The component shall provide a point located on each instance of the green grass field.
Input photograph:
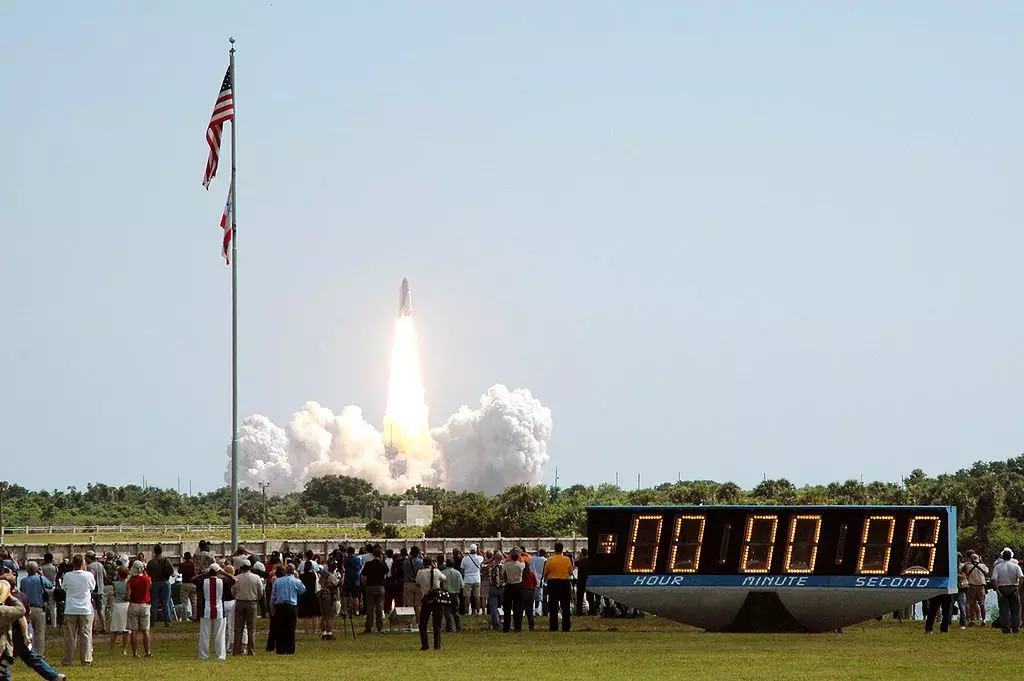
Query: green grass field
(605, 650)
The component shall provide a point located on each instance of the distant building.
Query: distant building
(410, 514)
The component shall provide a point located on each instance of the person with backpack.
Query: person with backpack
(160, 571)
(529, 590)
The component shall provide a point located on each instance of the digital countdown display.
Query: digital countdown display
(773, 549)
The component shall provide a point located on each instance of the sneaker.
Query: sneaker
(963, 626)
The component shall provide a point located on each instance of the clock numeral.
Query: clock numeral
(876, 545)
(922, 536)
(644, 539)
(759, 543)
(687, 537)
(802, 545)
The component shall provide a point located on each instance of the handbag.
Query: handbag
(437, 595)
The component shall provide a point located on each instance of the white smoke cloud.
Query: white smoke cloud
(504, 442)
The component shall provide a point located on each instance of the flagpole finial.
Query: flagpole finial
(232, 41)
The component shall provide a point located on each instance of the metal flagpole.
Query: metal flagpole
(234, 311)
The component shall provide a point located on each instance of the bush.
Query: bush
(391, 532)
(376, 527)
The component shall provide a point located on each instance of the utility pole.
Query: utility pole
(3, 490)
(264, 484)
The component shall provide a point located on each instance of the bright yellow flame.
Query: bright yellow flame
(405, 419)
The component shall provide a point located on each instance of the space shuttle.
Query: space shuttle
(404, 299)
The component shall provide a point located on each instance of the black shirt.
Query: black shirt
(374, 573)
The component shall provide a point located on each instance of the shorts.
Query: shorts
(326, 603)
(471, 591)
(138, 617)
(352, 591)
(411, 593)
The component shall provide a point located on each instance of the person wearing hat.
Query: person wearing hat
(96, 568)
(138, 589)
(212, 623)
(471, 565)
(976, 573)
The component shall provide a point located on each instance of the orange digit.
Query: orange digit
(685, 556)
(643, 543)
(877, 543)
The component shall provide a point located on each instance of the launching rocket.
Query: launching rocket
(404, 299)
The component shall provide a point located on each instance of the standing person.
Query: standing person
(49, 570)
(79, 585)
(471, 565)
(514, 568)
(977, 577)
(944, 603)
(229, 605)
(187, 570)
(35, 586)
(536, 564)
(139, 586)
(99, 574)
(309, 602)
(529, 590)
(453, 584)
(276, 573)
(495, 571)
(411, 592)
(210, 588)
(375, 573)
(119, 610)
(248, 591)
(1007, 576)
(430, 581)
(582, 573)
(389, 582)
(353, 568)
(284, 601)
(160, 571)
(329, 596)
(557, 571)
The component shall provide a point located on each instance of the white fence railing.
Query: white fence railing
(196, 527)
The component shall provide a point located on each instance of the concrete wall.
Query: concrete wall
(173, 550)
(412, 514)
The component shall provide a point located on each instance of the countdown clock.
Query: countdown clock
(771, 568)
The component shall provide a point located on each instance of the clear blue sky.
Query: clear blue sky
(720, 239)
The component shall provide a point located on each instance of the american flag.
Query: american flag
(225, 224)
(223, 111)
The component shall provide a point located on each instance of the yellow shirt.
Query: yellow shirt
(558, 567)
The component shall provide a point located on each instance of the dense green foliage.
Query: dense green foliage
(989, 496)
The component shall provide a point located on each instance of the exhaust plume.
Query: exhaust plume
(501, 443)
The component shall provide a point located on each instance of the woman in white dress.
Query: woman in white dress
(119, 613)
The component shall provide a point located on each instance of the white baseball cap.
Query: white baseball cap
(472, 548)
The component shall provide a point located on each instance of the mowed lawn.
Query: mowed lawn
(600, 649)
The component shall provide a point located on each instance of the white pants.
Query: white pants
(212, 630)
(229, 618)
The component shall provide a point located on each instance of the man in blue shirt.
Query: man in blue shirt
(283, 602)
(351, 589)
(34, 585)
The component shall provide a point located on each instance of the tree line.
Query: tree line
(989, 497)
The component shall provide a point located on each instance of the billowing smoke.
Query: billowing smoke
(503, 442)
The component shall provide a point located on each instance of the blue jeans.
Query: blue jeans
(160, 598)
(36, 663)
(961, 604)
(493, 603)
